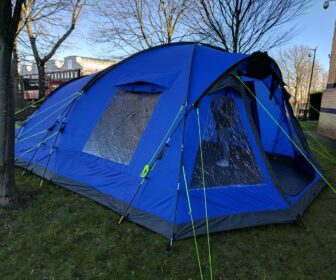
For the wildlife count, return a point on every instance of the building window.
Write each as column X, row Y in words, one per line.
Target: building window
column 69, row 64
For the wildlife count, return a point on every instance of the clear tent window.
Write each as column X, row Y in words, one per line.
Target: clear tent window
column 119, row 130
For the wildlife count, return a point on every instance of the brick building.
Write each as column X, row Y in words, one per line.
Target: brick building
column 327, row 122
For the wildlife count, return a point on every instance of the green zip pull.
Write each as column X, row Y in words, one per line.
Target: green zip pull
column 145, row 171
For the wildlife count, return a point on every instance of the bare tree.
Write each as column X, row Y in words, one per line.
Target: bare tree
column 134, row 25
column 18, row 94
column 9, row 19
column 47, row 29
column 296, row 64
column 244, row 25
column 320, row 78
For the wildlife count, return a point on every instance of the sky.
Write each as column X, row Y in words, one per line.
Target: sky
column 314, row 29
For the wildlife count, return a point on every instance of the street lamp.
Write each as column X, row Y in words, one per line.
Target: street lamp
column 310, row 81
column 326, row 4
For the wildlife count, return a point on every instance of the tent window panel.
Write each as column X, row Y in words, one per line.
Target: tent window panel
column 118, row 132
column 228, row 157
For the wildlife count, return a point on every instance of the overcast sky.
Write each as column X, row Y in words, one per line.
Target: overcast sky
column 315, row 28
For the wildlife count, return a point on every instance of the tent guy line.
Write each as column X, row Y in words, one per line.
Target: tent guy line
column 285, row 133
column 204, row 191
column 192, row 222
column 45, row 118
column 59, row 131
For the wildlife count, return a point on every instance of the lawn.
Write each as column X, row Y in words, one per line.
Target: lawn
column 61, row 235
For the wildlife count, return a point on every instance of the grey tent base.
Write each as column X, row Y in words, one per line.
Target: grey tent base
column 181, row 231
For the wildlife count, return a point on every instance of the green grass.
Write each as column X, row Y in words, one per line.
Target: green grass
column 61, row 235
column 309, row 125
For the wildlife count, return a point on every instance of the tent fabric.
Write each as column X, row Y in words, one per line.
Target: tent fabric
column 163, row 79
column 97, row 134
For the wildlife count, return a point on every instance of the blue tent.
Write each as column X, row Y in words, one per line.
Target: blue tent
column 152, row 134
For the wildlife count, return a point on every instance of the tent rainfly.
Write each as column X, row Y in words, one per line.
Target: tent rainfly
column 157, row 135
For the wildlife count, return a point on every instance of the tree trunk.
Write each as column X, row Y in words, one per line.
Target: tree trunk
column 7, row 175
column 295, row 100
column 41, row 78
column 18, row 94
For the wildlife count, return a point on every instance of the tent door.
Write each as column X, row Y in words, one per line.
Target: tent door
column 229, row 158
column 291, row 170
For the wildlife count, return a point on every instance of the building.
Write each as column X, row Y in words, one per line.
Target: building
column 327, row 122
column 53, row 65
column 58, row 72
column 86, row 65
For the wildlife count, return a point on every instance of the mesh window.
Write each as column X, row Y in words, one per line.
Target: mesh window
column 228, row 158
column 118, row 132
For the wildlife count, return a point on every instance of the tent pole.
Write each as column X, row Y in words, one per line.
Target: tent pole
column 171, row 240
column 36, row 150
column 48, row 116
column 44, row 138
column 60, row 130
column 157, row 156
column 125, row 213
